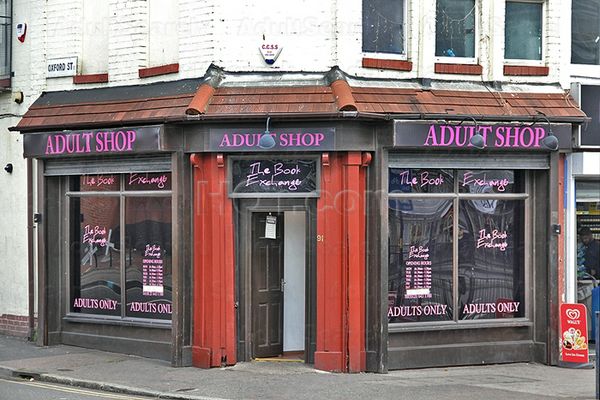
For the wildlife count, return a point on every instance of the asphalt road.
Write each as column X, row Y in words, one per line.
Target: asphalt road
column 20, row 389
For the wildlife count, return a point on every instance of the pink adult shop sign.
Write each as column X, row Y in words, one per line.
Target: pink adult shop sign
column 286, row 139
column 496, row 136
column 87, row 142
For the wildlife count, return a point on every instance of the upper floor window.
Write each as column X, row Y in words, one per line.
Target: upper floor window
column 585, row 35
column 523, row 31
column 5, row 38
column 455, row 28
column 383, row 26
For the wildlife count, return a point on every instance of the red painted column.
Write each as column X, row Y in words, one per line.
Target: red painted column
column 341, row 265
column 355, row 231
column 330, row 354
column 214, row 297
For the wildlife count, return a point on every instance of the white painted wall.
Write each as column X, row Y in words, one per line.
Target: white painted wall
column 94, row 30
column 121, row 36
column 163, row 38
column 294, row 248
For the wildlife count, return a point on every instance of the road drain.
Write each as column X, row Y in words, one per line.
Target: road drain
column 186, row 390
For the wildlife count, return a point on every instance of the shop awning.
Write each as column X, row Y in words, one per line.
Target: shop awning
column 332, row 95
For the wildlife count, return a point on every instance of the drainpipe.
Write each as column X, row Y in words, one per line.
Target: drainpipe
column 30, row 265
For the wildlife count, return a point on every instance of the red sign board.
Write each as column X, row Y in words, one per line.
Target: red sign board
column 573, row 336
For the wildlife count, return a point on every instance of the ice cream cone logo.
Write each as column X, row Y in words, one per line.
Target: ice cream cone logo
column 572, row 313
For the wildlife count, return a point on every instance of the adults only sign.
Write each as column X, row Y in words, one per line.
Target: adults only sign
column 101, row 141
column 496, row 136
column 573, row 333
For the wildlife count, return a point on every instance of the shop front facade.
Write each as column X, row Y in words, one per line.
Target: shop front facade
column 110, row 246
column 280, row 238
column 471, row 270
column 221, row 232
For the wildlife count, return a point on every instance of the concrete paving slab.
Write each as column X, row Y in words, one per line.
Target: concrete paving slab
column 276, row 380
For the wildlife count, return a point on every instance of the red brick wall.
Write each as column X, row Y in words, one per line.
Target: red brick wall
column 14, row 325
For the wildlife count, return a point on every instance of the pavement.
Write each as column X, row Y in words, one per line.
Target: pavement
column 134, row 375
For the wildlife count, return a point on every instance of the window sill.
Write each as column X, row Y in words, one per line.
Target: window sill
column 90, row 78
column 160, row 70
column 5, row 84
column 460, row 69
column 107, row 320
column 524, row 70
column 379, row 63
column 451, row 325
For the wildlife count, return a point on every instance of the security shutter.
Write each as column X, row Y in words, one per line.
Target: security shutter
column 87, row 166
column 469, row 161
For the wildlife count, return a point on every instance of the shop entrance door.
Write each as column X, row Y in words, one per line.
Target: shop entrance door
column 276, row 279
column 267, row 283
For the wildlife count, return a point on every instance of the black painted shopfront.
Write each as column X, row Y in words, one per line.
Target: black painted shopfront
column 466, row 257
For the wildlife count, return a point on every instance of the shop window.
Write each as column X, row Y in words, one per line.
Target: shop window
column 420, row 181
column 456, row 245
column 384, row 26
column 523, row 31
column 455, row 28
column 5, row 38
column 585, row 32
column 491, row 276
column 120, row 245
column 420, row 270
column 588, row 228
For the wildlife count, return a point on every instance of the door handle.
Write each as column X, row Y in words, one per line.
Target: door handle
column 282, row 287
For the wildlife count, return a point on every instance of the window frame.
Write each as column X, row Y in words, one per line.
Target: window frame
column 388, row 56
column 525, row 195
column 461, row 60
column 582, row 69
column 122, row 194
column 8, row 21
column 516, row 61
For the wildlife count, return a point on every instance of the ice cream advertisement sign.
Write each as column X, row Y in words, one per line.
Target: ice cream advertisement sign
column 573, row 333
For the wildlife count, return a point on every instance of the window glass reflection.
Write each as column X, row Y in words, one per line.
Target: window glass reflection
column 523, row 31
column 383, row 26
column 94, row 254
column 585, row 32
column 491, row 259
column 420, row 260
column 455, row 28
column 148, row 257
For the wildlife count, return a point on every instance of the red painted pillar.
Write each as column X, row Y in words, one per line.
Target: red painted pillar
column 354, row 201
column 214, row 297
column 330, row 354
column 341, row 264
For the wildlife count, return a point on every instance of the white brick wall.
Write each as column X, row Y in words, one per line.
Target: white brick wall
column 315, row 35
column 128, row 40
column 196, row 36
